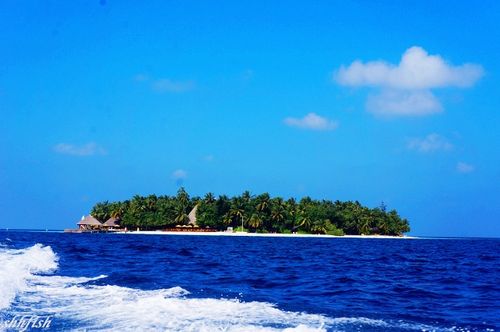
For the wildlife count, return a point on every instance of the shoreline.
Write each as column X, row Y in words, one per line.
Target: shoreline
column 244, row 234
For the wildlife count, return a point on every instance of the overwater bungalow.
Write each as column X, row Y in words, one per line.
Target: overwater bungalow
column 89, row 223
column 111, row 224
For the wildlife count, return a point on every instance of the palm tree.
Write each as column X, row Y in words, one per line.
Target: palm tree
column 365, row 225
column 222, row 205
column 291, row 204
column 278, row 214
column 138, row 203
column 237, row 213
column 319, row 226
column 181, row 217
column 290, row 210
column 101, row 211
column 227, row 219
column 151, row 201
column 209, row 198
column 246, row 196
column 255, row 221
column 117, row 210
column 182, row 197
column 263, row 202
column 304, row 221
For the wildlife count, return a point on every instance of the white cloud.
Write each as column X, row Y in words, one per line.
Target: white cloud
column 312, row 121
column 463, row 167
column 167, row 85
column 430, row 143
column 179, row 174
column 406, row 87
column 416, row 70
column 141, row 78
column 88, row 149
column 399, row 103
column 209, row 158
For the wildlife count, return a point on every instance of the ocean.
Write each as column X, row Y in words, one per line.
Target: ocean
column 120, row 282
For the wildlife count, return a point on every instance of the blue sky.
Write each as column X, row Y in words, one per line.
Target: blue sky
column 352, row 100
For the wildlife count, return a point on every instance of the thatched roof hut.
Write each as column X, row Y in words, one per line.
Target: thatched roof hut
column 192, row 216
column 89, row 222
column 112, row 222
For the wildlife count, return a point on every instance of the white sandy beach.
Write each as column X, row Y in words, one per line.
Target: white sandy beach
column 267, row 235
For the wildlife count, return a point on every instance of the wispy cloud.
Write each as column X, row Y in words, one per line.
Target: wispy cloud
column 209, row 158
column 312, row 121
column 430, row 143
column 141, row 77
column 179, row 175
column 165, row 85
column 84, row 150
column 463, row 167
column 406, row 88
column 398, row 102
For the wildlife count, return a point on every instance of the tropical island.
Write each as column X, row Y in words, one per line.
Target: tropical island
column 250, row 213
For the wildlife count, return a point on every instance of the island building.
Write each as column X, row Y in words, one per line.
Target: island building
column 88, row 223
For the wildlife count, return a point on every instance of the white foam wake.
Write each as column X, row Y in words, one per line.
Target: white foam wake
column 115, row 308
column 84, row 306
column 18, row 266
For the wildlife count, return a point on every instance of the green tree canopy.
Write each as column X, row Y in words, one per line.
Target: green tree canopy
column 259, row 213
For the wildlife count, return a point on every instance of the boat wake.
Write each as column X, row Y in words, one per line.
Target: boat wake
column 19, row 267
column 28, row 285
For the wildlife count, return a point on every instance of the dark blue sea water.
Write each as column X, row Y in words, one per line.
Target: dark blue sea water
column 120, row 282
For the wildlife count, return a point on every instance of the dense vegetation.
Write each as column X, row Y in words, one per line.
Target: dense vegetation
column 261, row 213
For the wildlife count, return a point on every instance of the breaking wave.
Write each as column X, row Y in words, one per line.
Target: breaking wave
column 19, row 267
